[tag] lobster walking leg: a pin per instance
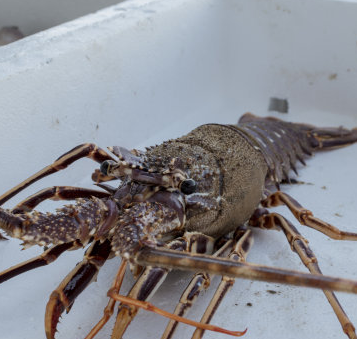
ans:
(43, 259)
(150, 307)
(198, 283)
(109, 309)
(244, 241)
(263, 219)
(153, 277)
(305, 217)
(150, 279)
(86, 150)
(74, 283)
(56, 193)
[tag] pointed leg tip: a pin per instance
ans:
(239, 333)
(54, 309)
(2, 238)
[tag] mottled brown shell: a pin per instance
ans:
(229, 172)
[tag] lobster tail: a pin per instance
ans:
(329, 138)
(283, 143)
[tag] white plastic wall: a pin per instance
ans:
(37, 15)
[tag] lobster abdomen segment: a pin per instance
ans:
(283, 143)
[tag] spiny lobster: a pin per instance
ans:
(188, 204)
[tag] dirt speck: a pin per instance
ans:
(272, 292)
(323, 187)
(55, 122)
(283, 9)
(338, 215)
(249, 304)
(332, 76)
(97, 127)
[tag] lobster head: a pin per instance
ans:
(155, 198)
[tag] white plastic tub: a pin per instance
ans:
(38, 15)
(143, 71)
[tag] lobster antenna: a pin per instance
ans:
(177, 260)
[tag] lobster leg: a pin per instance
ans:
(43, 259)
(263, 219)
(150, 307)
(86, 150)
(48, 256)
(199, 282)
(244, 241)
(305, 217)
(56, 193)
(149, 280)
(74, 283)
(153, 277)
(109, 309)
(80, 221)
(143, 289)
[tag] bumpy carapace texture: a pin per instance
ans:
(180, 195)
(222, 176)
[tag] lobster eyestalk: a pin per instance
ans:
(219, 266)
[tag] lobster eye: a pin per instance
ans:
(188, 186)
(104, 166)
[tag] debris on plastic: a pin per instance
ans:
(279, 105)
(9, 34)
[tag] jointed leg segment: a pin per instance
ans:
(263, 219)
(305, 217)
(43, 259)
(74, 283)
(199, 282)
(56, 193)
(86, 150)
(109, 309)
(244, 241)
(153, 277)
(147, 283)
